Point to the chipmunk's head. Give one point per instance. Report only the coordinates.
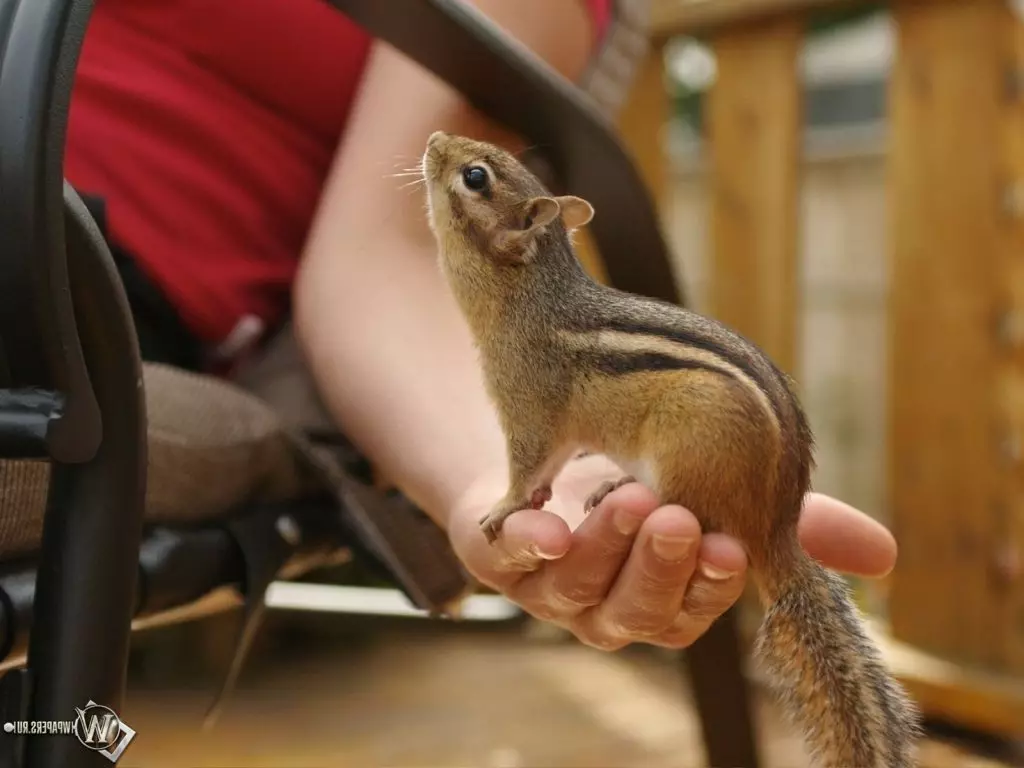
(485, 202)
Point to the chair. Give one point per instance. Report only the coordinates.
(133, 494)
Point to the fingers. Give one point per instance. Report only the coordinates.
(529, 538)
(649, 591)
(845, 539)
(600, 547)
(636, 573)
(714, 588)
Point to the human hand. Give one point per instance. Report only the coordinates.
(632, 571)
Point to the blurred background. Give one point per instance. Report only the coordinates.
(350, 688)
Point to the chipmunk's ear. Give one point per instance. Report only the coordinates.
(576, 212)
(528, 220)
(538, 212)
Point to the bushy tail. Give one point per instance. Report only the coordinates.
(829, 675)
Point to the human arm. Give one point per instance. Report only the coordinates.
(396, 368)
(385, 341)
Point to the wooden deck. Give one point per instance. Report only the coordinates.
(414, 695)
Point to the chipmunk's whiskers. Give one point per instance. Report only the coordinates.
(417, 173)
(403, 159)
(414, 183)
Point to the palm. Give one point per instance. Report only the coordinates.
(574, 485)
(599, 575)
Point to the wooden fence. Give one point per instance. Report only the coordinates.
(955, 308)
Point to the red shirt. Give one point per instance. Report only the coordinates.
(208, 126)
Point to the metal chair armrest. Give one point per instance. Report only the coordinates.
(40, 351)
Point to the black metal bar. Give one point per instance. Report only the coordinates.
(178, 566)
(86, 588)
(25, 418)
(40, 42)
(15, 694)
(722, 695)
(508, 83)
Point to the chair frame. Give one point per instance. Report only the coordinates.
(70, 371)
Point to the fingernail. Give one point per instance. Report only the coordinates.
(672, 547)
(715, 574)
(626, 522)
(538, 552)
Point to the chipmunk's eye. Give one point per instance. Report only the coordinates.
(475, 178)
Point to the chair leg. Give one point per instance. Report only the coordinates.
(86, 585)
(723, 697)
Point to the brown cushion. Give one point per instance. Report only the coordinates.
(212, 446)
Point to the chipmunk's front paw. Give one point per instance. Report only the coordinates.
(491, 523)
(491, 526)
(603, 490)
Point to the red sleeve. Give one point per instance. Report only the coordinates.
(601, 14)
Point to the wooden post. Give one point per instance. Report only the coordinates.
(754, 131)
(715, 662)
(644, 118)
(954, 454)
(1008, 563)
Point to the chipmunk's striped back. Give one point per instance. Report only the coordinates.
(617, 351)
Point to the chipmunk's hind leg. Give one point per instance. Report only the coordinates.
(712, 452)
(603, 490)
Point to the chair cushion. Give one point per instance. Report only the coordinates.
(212, 446)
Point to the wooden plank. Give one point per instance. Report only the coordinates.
(1008, 571)
(753, 128)
(955, 693)
(674, 17)
(946, 473)
(644, 119)
(958, 694)
(713, 664)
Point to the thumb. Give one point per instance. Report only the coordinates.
(528, 539)
(845, 539)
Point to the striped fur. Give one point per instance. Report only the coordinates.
(658, 346)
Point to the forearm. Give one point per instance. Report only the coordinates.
(389, 349)
(397, 371)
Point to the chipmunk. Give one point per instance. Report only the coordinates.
(683, 404)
